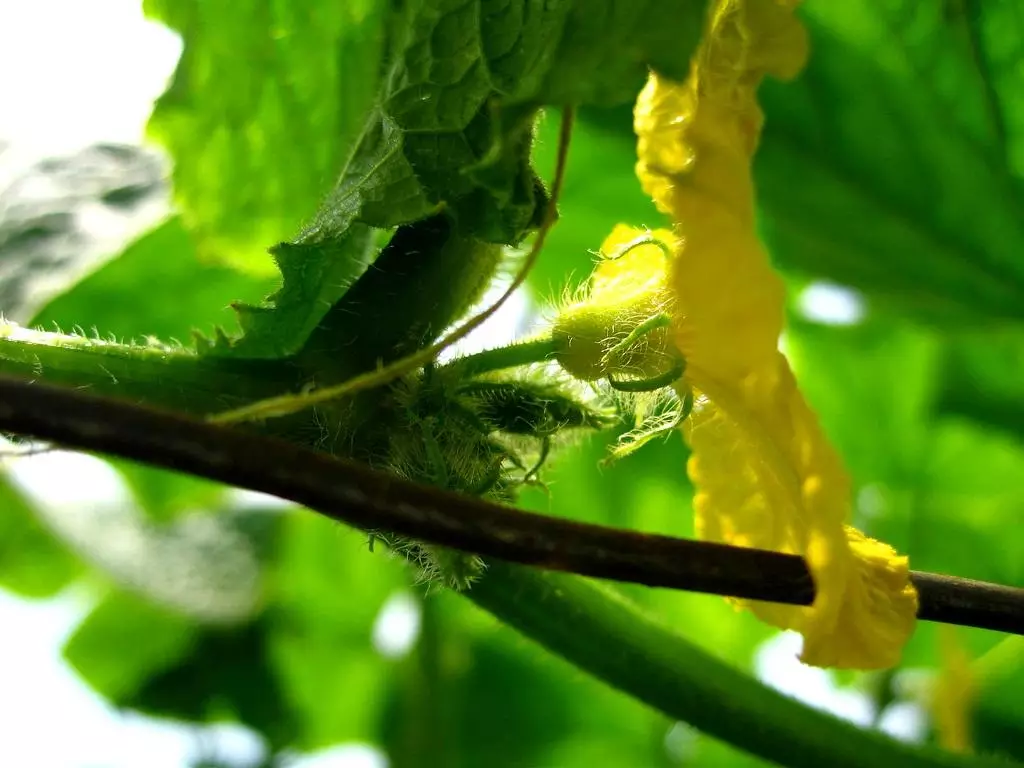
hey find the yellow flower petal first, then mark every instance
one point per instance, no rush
(695, 144)
(766, 477)
(631, 270)
(765, 473)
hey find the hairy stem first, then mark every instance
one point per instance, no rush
(154, 374)
(497, 359)
(597, 630)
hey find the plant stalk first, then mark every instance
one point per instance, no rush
(599, 631)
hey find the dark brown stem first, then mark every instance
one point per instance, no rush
(371, 500)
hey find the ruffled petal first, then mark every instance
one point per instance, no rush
(766, 475)
(695, 144)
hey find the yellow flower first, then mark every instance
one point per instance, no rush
(766, 476)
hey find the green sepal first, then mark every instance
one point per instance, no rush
(531, 408)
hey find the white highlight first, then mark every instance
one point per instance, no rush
(904, 720)
(500, 329)
(776, 664)
(74, 73)
(397, 626)
(344, 756)
(871, 502)
(53, 720)
(831, 304)
(243, 498)
(198, 564)
(680, 741)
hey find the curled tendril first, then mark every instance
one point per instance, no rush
(638, 242)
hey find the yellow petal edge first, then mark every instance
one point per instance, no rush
(766, 475)
(955, 693)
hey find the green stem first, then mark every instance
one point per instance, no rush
(154, 375)
(423, 729)
(599, 631)
(499, 358)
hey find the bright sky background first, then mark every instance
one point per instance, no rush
(73, 73)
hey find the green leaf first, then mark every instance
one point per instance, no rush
(894, 164)
(455, 116)
(125, 299)
(466, 667)
(998, 714)
(326, 589)
(122, 298)
(126, 640)
(452, 130)
(981, 381)
(426, 278)
(873, 388)
(971, 491)
(443, 706)
(314, 277)
(33, 562)
(226, 677)
(262, 111)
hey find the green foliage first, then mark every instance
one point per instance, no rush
(224, 678)
(261, 113)
(451, 129)
(895, 163)
(423, 280)
(998, 716)
(33, 562)
(980, 379)
(105, 648)
(452, 124)
(324, 593)
(165, 496)
(466, 668)
(314, 276)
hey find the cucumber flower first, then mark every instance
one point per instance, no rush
(765, 474)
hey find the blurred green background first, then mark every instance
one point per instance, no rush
(890, 190)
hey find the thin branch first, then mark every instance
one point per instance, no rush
(371, 500)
